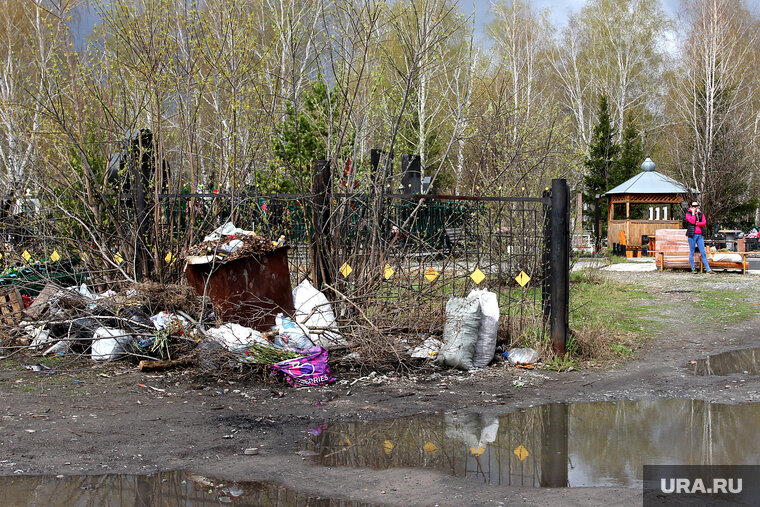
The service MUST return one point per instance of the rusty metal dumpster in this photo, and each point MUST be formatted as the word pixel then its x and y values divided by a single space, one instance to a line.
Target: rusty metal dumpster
pixel 249 290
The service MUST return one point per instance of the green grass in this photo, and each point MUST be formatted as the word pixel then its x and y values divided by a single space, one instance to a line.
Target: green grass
pixel 609 319
pixel 599 303
pixel 721 306
pixel 621 349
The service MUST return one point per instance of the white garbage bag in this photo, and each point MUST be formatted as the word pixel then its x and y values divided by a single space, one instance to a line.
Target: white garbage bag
pixel 460 333
pixel 109 344
pixel 485 347
pixel 311 303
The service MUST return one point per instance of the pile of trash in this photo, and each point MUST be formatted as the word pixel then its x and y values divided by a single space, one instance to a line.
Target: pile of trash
pixel 107 326
pixel 229 243
pixel 112 326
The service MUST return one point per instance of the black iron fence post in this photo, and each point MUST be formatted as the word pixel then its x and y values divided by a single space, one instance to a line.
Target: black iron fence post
pixel 560 264
pixel 546 305
pixel 320 221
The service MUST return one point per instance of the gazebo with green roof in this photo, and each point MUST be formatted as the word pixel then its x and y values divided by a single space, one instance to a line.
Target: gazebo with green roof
pixel 643 204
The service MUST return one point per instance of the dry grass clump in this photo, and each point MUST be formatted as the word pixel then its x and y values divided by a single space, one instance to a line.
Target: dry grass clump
pixel 167 297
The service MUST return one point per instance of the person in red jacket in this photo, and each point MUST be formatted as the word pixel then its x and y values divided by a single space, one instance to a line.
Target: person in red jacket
pixel 695 221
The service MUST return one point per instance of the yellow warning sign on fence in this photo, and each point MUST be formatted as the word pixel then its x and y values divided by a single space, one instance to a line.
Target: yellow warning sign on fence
pixel 345 270
pixel 388 272
pixel 521 453
pixel 54 256
pixel 431 274
pixel 477 276
pixel 26 255
pixel 430 447
pixel 522 279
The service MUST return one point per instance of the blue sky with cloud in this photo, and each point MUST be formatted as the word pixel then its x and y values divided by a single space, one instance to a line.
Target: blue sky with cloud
pixel 560 10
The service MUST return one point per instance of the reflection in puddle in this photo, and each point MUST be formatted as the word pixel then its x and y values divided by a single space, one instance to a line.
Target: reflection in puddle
pixel 176 488
pixel 558 445
pixel 734 361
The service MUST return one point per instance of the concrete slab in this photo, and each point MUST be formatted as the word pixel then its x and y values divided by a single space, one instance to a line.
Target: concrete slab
pixel 632 267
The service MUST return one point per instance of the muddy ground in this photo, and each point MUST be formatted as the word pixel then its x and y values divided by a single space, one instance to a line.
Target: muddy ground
pixel 99 419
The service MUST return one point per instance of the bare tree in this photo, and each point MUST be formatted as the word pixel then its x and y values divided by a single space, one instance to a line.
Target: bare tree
pixel 714 102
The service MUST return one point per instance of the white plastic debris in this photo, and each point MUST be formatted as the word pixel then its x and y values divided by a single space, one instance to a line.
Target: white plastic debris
pixel 40 336
pixel 109 344
pixel 311 303
pixel 162 319
pixel 59 348
pixel 226 230
pixel 232 246
pixel 427 349
pixel 235 338
pixel 523 356
pixel 291 334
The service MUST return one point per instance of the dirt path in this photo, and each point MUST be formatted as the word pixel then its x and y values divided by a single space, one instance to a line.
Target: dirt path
pixel 113 419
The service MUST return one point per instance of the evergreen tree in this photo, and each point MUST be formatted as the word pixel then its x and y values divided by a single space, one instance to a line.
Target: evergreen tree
pixel 631 155
pixel 300 140
pixel 602 159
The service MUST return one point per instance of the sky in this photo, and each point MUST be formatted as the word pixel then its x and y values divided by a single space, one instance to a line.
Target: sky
pixel 560 10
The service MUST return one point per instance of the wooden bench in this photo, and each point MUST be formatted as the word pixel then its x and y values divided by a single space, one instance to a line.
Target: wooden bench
pixel 743 265
pixel 681 260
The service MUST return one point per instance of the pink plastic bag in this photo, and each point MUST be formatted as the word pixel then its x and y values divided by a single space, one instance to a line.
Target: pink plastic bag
pixel 311 370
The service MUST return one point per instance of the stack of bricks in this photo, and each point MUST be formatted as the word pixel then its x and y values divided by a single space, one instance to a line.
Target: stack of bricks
pixel 672 248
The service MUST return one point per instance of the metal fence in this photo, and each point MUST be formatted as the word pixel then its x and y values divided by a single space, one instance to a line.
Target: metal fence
pixel 398 263
pixel 389 262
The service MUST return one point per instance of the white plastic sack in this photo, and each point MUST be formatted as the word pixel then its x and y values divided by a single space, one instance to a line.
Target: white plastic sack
pixel 292 335
pixel 109 344
pixel 522 356
pixel 726 257
pixel 427 349
pixel 485 347
pixel 236 338
pixel 306 300
pixel 460 333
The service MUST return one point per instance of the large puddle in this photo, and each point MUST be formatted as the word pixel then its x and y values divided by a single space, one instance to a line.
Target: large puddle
pixel 735 361
pixel 167 489
pixel 558 445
